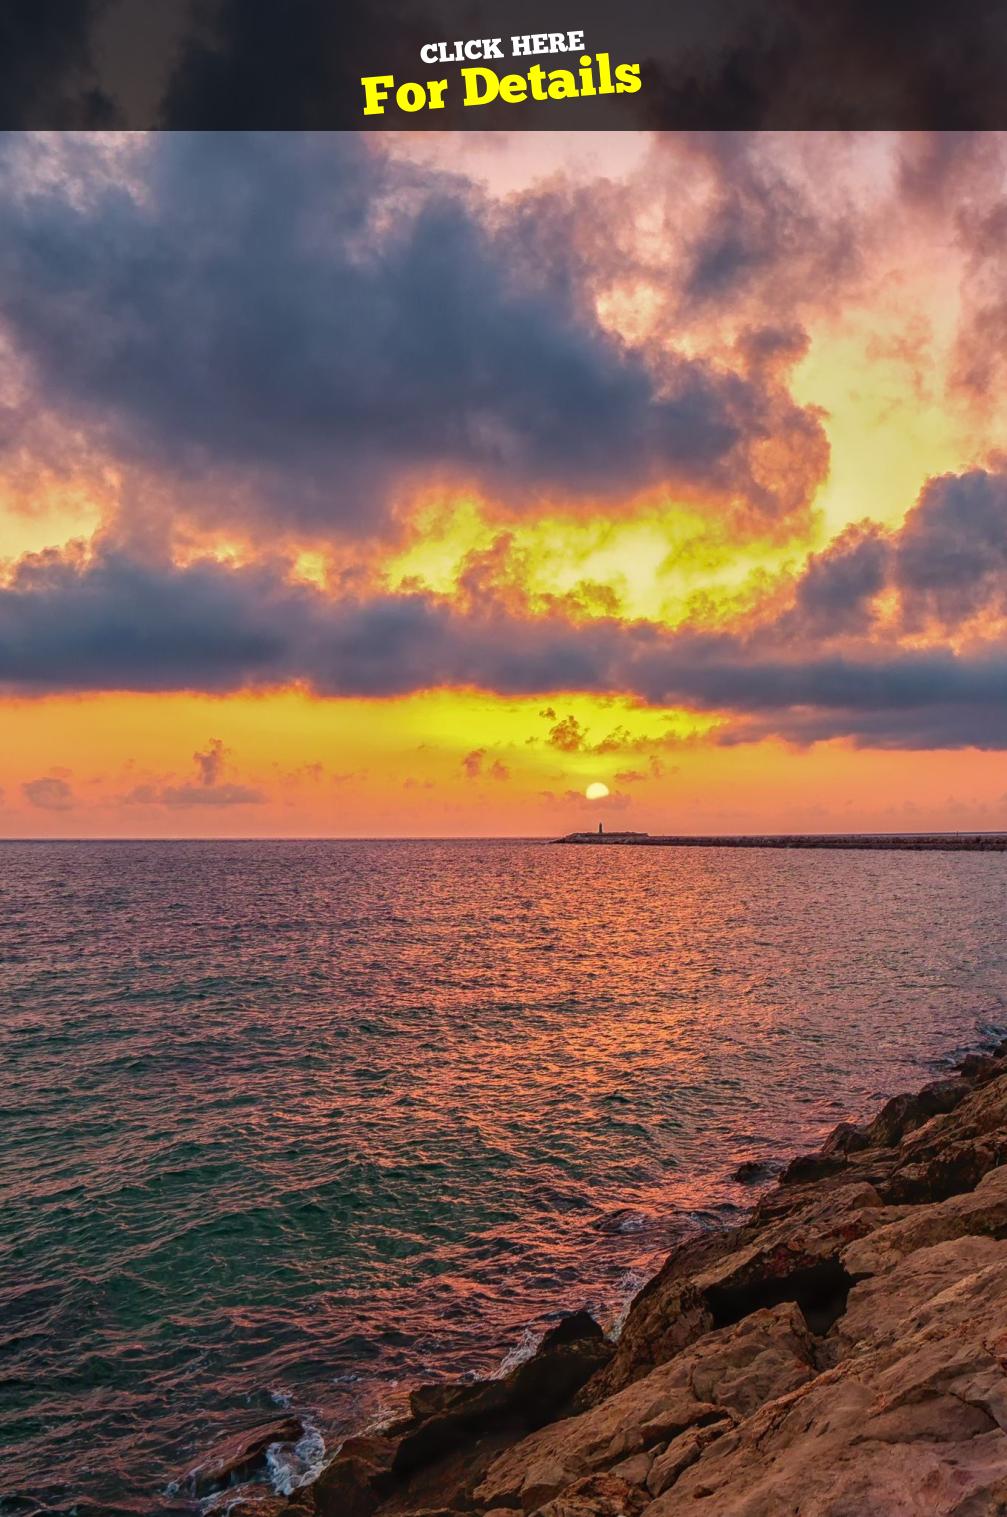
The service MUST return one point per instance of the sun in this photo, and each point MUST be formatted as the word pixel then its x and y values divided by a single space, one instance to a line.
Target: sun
pixel 596 791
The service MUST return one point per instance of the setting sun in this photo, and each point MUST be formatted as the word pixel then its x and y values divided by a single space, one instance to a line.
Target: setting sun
pixel 597 791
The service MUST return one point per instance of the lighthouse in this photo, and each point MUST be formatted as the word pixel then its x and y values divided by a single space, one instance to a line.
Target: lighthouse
pixel 600 829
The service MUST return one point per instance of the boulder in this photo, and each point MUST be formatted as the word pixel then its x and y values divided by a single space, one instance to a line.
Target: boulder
pixel 847 1138
pixel 681 1452
pixel 904 1113
pixel 260 1503
pixel 241 1457
pixel 981 1213
pixel 879 1305
pixel 900 1115
pixel 353 1484
pixel 668 1314
pixel 752 1171
pixel 952 1152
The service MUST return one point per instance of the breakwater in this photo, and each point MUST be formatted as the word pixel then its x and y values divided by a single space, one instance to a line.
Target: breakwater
pixel 918 842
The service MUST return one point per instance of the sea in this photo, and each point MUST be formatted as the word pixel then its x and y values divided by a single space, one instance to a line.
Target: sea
pixel 298 1125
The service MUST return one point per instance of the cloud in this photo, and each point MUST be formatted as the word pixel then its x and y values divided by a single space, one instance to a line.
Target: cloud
pixel 473 765
pixel 211 795
pixel 249 59
pixel 210 763
pixel 208 789
pixel 730 63
pixel 109 622
pixel 568 735
pixel 297 332
pixel 837 588
pixel 49 793
pixel 951 554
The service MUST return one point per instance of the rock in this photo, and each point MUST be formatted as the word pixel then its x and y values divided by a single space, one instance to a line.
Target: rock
pixel 241 1457
pixel 680 1453
pixel 796 1259
pixel 355 1481
pixel 536 1390
pixel 624 1220
pixel 955 1168
pixel 262 1504
pixel 879 1305
pixel 807 1167
pixel 636 1468
pixel 847 1138
pixel 750 1171
pixel 980 1213
pixel 899 1116
pixel 953 1151
pixel 668 1314
pixel 725 1375
pixel 912 1423
pixel 597 1496
pixel 903 1113
pixel 980 1067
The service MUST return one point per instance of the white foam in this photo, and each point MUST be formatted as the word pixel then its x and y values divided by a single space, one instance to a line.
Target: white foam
pixel 629 1286
pixel 292 1465
pixel 519 1354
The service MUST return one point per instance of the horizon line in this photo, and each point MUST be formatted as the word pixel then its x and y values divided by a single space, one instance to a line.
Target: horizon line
pixel 501 837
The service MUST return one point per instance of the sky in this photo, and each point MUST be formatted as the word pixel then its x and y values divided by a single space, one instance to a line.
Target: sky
pixel 395 485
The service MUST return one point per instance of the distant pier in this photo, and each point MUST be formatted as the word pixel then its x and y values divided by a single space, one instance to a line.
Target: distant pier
pixel 919 842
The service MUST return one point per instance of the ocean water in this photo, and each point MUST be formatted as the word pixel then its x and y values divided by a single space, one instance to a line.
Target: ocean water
pixel 300 1124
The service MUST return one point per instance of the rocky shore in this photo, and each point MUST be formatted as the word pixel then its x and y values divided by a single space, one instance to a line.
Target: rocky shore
pixel 842 1353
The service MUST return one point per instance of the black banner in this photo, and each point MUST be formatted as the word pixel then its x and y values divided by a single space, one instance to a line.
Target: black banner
pixel 427 65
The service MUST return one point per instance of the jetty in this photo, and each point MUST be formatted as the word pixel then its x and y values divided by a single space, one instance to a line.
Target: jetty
pixel 908 842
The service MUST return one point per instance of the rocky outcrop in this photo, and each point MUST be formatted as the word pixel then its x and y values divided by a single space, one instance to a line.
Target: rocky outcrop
pixel 842 1353
pixel 719 1380
pixel 432 1457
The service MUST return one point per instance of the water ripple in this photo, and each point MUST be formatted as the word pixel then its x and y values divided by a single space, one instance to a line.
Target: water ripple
pixel 295 1124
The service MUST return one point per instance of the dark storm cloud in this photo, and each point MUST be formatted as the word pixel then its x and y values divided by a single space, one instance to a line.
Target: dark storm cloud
pixel 835 592
pixel 946 725
pixel 114 624
pixel 951 557
pixel 122 624
pixel 295 329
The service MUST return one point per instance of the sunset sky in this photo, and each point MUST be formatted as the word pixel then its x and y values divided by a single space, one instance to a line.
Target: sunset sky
pixel 406 485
